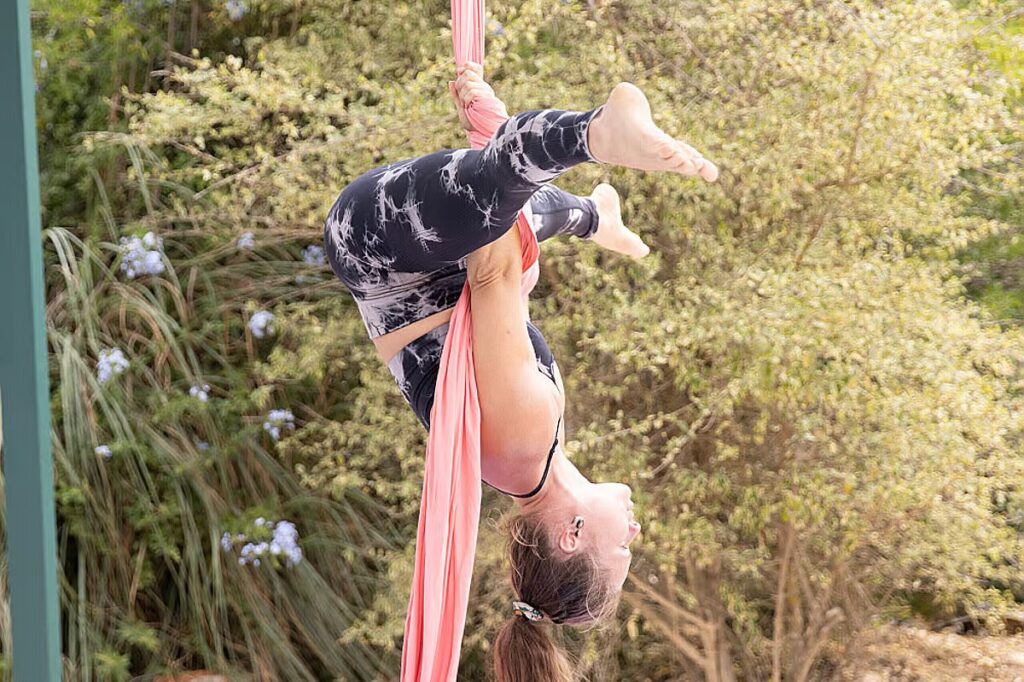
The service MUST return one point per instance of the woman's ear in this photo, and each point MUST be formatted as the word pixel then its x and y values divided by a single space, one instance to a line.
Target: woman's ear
pixel 570 535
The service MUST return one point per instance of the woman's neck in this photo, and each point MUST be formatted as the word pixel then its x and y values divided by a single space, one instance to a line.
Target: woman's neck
pixel 563 483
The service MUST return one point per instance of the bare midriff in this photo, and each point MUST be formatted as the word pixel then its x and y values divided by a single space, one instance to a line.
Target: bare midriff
pixel 389 344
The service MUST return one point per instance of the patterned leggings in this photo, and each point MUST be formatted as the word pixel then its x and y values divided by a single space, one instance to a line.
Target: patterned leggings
pixel 399 234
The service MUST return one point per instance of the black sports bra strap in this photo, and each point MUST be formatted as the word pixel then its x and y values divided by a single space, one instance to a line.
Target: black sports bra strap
pixel 547 468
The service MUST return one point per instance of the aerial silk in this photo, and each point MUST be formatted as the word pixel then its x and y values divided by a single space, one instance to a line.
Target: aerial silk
pixel 450 506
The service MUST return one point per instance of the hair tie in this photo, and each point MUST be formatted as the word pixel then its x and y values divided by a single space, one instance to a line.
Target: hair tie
pixel 521 608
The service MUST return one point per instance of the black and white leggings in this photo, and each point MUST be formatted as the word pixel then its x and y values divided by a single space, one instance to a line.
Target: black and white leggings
pixel 399 234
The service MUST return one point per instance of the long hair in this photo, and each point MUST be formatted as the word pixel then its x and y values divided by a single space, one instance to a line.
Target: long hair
pixel 569 591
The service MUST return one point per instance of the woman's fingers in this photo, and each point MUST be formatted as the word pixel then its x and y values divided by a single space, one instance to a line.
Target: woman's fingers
pixel 472 67
pixel 459 108
pixel 469 91
pixel 467 79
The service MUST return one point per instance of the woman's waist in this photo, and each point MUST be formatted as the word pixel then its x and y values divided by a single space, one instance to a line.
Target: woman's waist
pixel 390 344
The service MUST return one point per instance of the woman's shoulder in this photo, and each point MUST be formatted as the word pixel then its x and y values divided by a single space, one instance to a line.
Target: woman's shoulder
pixel 516 461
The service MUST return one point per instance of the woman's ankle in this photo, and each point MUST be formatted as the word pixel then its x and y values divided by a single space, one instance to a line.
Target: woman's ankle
pixel 596 135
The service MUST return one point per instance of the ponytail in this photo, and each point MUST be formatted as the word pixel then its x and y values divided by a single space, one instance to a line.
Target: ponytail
pixel 525 651
pixel 561 590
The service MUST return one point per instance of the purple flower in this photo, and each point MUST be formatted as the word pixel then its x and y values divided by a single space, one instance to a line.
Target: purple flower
pixel 247 242
pixel 104 451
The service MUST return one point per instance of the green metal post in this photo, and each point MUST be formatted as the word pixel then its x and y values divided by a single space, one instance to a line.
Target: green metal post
pixel 24 391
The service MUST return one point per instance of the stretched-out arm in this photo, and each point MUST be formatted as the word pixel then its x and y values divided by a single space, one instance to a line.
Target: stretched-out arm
pixel 519 406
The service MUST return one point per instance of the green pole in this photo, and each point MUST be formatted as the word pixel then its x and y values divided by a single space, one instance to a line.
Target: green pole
pixel 24 391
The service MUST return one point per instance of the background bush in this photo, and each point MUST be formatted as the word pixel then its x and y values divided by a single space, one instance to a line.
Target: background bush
pixel 821 428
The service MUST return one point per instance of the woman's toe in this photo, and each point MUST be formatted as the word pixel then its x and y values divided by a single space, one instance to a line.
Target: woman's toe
pixel 637 248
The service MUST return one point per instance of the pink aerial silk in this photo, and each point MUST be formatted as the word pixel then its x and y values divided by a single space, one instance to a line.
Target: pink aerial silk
pixel 450 506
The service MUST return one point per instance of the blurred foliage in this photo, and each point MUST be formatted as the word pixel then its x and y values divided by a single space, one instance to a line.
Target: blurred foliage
pixel 994 267
pixel 820 428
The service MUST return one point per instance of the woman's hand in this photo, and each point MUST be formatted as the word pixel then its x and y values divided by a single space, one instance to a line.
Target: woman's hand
pixel 469 86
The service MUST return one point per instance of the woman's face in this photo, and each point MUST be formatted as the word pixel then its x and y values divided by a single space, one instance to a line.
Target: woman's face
pixel 609 528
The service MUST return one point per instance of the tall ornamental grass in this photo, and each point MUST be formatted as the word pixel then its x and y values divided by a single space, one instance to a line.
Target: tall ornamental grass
pixel 822 432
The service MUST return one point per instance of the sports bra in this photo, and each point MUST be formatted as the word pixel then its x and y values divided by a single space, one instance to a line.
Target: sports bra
pixel 415 370
pixel 547 468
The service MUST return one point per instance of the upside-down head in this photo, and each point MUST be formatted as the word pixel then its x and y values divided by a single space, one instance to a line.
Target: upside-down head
pixel 568 564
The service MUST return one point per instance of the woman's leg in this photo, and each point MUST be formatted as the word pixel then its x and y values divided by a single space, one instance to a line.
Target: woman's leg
pixel 421 214
pixel 556 212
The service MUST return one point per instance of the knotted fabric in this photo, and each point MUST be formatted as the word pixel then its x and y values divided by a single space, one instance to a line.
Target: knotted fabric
pixel 450 506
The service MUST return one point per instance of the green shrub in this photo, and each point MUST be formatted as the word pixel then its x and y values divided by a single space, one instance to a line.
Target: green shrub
pixel 820 429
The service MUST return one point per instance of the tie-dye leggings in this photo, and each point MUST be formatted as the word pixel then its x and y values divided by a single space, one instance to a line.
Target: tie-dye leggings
pixel 399 234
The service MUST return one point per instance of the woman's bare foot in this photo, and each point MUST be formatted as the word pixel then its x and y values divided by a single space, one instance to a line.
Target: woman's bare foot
pixel 624 134
pixel 612 233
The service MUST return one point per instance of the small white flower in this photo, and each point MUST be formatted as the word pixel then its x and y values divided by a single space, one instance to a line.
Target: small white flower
pixel 276 421
pixel 314 255
pixel 200 392
pixel 112 361
pixel 151 241
pixel 261 323
pixel 203 446
pixel 247 242
pixel 236 9
pixel 141 256
pixel 286 541
pixel 104 451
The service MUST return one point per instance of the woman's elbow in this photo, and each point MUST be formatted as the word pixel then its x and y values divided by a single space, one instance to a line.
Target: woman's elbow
pixel 496 263
pixel 493 269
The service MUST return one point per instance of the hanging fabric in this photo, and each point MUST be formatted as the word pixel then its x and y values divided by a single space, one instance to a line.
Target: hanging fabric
pixel 450 506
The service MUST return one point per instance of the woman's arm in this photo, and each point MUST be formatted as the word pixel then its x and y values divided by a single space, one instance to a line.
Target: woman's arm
pixel 519 406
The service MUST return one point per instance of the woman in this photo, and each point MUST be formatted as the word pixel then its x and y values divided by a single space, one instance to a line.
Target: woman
pixel 405 237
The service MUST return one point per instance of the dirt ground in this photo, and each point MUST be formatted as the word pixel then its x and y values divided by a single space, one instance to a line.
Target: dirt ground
pixel 910 654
